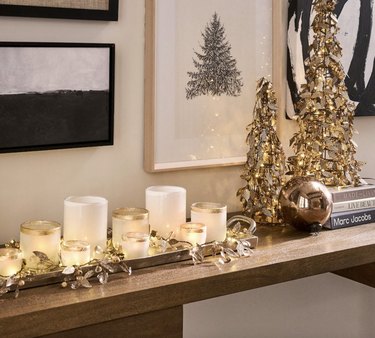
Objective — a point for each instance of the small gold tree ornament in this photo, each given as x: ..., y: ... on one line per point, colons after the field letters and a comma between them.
x: 265, y: 166
x: 323, y: 145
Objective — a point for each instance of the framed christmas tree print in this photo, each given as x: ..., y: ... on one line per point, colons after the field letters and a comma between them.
x: 202, y: 61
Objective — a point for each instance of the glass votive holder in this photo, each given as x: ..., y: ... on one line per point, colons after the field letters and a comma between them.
x: 194, y: 233
x: 214, y: 216
x: 43, y: 236
x: 75, y: 252
x: 167, y: 208
x: 10, y: 261
x: 128, y: 220
x: 85, y: 219
x: 135, y: 244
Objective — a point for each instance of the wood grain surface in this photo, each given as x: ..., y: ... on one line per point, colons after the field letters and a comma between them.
x: 283, y: 254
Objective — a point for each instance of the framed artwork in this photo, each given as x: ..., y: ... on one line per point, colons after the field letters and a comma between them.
x: 202, y: 61
x: 62, y: 9
x: 55, y: 95
x: 357, y: 29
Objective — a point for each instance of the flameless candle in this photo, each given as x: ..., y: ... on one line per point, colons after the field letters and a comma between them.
x: 128, y: 220
x: 43, y: 236
x: 194, y: 233
x: 135, y: 244
x: 75, y: 252
x: 10, y: 261
x: 214, y: 216
x: 167, y: 208
x: 85, y: 219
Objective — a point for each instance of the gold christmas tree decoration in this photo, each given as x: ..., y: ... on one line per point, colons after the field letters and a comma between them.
x: 323, y: 145
x: 265, y: 165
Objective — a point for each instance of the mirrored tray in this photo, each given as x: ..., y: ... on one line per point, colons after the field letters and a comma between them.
x: 240, y: 229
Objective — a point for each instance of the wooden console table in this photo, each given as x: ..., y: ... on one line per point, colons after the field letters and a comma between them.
x: 149, y: 303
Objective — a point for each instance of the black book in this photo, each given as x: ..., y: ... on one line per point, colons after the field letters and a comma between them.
x: 350, y: 218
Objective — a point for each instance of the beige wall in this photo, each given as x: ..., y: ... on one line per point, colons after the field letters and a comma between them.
x: 34, y: 185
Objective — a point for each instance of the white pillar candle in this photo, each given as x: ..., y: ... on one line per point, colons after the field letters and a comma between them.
x: 135, y: 244
x: 167, y: 208
x: 85, y: 219
x: 214, y: 216
x: 194, y: 233
x: 43, y: 236
x: 128, y: 220
x: 10, y: 261
x: 75, y: 252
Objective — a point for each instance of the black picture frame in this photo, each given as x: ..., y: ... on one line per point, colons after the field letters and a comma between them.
x: 62, y: 13
x: 56, y: 95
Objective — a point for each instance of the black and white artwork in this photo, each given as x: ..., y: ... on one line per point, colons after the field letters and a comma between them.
x: 357, y: 39
x: 55, y: 96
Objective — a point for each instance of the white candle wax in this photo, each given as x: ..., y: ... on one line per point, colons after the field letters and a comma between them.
x: 214, y: 216
x: 10, y: 261
x: 167, y: 208
x: 43, y: 236
x: 85, y: 219
x: 128, y: 220
x: 194, y: 233
x: 135, y: 244
x: 75, y: 252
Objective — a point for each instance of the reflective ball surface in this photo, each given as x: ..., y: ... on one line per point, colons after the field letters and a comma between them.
x: 306, y: 204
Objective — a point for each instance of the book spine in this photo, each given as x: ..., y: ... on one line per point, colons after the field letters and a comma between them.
x: 353, y: 194
x: 365, y: 203
x: 348, y: 219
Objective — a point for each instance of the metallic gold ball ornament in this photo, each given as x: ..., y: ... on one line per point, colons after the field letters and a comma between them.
x: 306, y: 204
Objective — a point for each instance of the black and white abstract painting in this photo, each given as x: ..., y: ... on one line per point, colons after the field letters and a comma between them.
x: 357, y: 38
x: 55, y: 96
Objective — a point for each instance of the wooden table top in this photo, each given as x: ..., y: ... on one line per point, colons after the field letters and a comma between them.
x: 283, y: 254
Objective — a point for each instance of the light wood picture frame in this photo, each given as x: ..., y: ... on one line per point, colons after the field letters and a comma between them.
x: 166, y: 112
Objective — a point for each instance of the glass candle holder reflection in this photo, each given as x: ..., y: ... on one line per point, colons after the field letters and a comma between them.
x: 75, y: 252
x: 128, y: 220
x: 10, y: 261
x: 167, y: 208
x: 135, y: 244
x: 85, y: 219
x: 214, y: 216
x: 43, y: 236
x: 194, y: 233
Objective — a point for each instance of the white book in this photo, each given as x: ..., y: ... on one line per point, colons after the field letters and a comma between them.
x: 364, y: 203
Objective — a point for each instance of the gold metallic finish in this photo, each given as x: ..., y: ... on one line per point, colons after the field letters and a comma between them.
x: 264, y: 170
x: 324, y: 145
x: 130, y: 214
x: 208, y: 207
x: 40, y: 228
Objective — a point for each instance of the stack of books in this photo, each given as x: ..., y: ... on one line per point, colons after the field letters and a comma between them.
x: 352, y: 206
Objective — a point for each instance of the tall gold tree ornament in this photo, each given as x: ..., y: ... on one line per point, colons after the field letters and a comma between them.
x: 323, y: 146
x: 265, y: 166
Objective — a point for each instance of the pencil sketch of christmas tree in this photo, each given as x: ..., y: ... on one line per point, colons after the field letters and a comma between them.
x: 216, y: 71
